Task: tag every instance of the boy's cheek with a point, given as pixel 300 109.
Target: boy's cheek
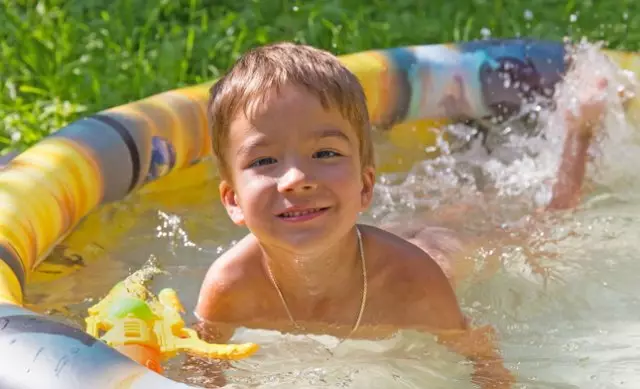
pixel 256 195
pixel 345 174
pixel 259 186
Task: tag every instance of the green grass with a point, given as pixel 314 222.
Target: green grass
pixel 62 59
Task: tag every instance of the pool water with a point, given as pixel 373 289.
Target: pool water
pixel 572 324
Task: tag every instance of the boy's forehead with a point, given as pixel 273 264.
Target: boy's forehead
pixel 284 113
pixel 289 105
pixel 290 97
pixel 243 128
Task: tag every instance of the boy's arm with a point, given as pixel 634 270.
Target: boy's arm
pixel 211 370
pixel 452 329
pixel 478 345
pixel 210 312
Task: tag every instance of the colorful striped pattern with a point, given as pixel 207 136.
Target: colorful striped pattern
pixel 48 189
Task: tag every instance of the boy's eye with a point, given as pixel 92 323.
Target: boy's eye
pixel 262 161
pixel 326 154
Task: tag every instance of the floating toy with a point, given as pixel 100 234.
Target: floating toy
pixel 150 329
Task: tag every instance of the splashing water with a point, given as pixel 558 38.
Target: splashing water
pixel 557 328
pixel 515 162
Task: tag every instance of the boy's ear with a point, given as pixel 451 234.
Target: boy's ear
pixel 230 201
pixel 368 181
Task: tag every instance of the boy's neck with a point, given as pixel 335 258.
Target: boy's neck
pixel 323 276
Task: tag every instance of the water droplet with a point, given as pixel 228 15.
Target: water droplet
pixel 41 9
pixel 528 14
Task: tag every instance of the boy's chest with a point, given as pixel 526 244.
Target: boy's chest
pixel 399 297
pixel 398 307
pixel 390 303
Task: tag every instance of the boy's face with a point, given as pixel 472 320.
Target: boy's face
pixel 296 177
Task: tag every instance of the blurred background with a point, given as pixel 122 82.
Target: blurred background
pixel 62 59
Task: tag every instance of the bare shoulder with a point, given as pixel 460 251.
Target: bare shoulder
pixel 235 263
pixel 397 255
pixel 403 272
pixel 224 293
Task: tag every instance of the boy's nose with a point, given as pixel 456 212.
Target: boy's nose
pixel 295 179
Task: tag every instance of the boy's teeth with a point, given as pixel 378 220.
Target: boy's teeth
pixel 299 213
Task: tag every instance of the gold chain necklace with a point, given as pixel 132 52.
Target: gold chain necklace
pixel 364 289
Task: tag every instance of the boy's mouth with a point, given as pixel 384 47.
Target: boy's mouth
pixel 301 213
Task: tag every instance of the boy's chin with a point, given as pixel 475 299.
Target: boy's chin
pixel 304 243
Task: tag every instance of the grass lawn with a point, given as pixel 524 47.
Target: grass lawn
pixel 62 59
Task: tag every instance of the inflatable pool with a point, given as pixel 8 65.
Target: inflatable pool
pixel 50 191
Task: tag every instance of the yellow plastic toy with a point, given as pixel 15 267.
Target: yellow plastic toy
pixel 150 330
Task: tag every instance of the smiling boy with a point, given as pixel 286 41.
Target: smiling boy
pixel 292 140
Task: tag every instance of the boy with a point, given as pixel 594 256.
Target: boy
pixel 291 136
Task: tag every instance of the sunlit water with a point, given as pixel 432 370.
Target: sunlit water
pixel 576 326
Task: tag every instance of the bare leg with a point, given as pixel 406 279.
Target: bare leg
pixel 581 128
